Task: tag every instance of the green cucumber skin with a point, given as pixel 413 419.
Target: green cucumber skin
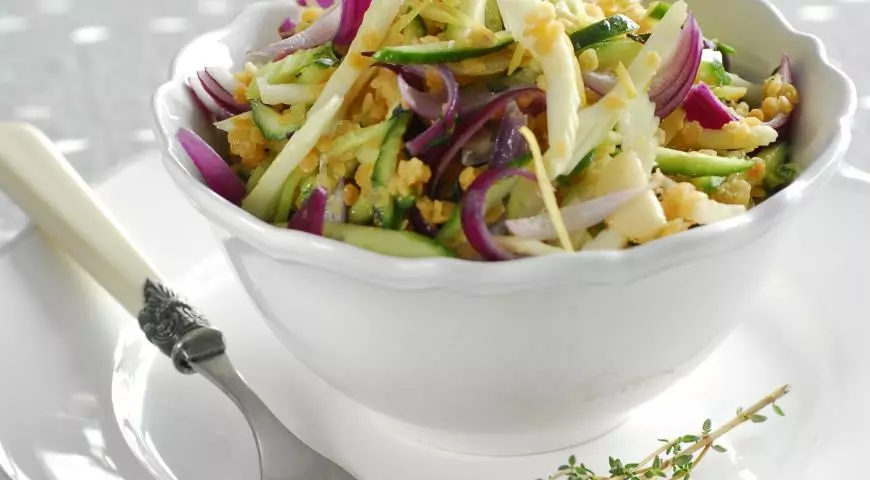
pixel 492 17
pixel 361 212
pixel 602 31
pixel 693 164
pixel 288 69
pixel 451 231
pixel 439 52
pixel 387 242
pixel 386 215
pixel 777 171
pixel 613 52
pixel 270 122
pixel 659 11
pixel 388 158
pixel 707 184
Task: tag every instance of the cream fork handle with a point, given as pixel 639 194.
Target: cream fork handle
pixel 35 174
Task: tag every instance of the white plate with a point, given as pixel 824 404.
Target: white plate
pixel 80 385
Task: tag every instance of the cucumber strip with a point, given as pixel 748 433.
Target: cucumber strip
pixel 707 184
pixel 449 51
pixel 387 242
pixel 602 31
pixel 288 68
pixel 314 74
pixel 658 10
pixel 264 197
pixel 565 180
pixel 695 164
pixel 712 70
pixel 782 176
pixel 612 53
pixel 356 138
pixel 271 123
pixel 388 158
pixel 773 156
pixel 361 212
pixel 288 196
pixel 451 231
pixel 492 17
pixel 255 176
pixel 386 215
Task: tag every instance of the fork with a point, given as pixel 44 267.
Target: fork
pixel 34 173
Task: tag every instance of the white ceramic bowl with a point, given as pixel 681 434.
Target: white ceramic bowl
pixel 533 354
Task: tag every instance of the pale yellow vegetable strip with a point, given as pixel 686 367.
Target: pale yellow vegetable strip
pixel 517 58
pixel 547 193
pixel 355 90
pixel 372 31
pixel 375 26
pixel 409 17
pixel 597 120
pixel 264 194
pixel 565 89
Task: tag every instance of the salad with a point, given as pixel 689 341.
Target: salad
pixel 493 129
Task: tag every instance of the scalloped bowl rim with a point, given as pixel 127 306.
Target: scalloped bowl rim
pixel 482 277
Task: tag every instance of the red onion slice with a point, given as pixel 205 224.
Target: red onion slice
pixel 287 28
pixel 217 111
pixel 473 213
pixel 320 32
pixel 665 80
pixel 426 105
pixel 420 224
pixel 468 126
pixel 311 216
pixel 224 78
pixel 223 98
pixel 217 175
pixel 702 106
pixel 780 121
pixel 352 13
pixel 509 142
pixel 478 150
pixel 673 82
pixel 579 216
pixel 437 131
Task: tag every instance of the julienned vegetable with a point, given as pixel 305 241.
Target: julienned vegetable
pixel 215 172
pixel 493 129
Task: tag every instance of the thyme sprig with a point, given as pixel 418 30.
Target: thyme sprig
pixel 675 459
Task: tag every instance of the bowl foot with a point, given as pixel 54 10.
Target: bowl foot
pixel 507 444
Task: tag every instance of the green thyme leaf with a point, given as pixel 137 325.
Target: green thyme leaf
pixel 778 410
pixel 720 448
pixel 690 438
pixel 757 418
pixel 682 460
